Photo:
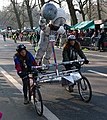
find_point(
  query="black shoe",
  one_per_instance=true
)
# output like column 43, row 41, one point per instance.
column 69, row 88
column 26, row 101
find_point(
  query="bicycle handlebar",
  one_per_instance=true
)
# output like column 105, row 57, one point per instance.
column 62, row 63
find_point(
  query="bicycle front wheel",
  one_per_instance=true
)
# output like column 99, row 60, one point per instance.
column 37, row 98
column 84, row 89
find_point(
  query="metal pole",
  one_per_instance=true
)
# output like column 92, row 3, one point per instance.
column 52, row 41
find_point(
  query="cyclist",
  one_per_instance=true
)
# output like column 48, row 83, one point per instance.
column 23, row 61
column 71, row 50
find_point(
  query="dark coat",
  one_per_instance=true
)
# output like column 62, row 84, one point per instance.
column 24, row 63
column 71, row 53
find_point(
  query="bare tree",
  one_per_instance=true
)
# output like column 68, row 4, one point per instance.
column 89, row 9
column 90, row 3
column 99, row 10
column 29, row 11
column 72, row 12
column 14, row 3
column 92, row 10
column 59, row 2
column 82, row 4
column 102, row 9
column 30, row 5
column 8, row 17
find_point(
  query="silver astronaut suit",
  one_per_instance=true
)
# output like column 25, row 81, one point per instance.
column 54, row 27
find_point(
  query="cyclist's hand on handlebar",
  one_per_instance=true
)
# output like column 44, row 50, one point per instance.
column 86, row 61
column 76, row 64
column 22, row 74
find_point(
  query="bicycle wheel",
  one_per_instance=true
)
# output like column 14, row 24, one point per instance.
column 37, row 98
column 84, row 89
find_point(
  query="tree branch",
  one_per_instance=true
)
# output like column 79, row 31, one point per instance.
column 78, row 10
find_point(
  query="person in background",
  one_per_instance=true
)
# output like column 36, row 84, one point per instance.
column 77, row 35
column 101, row 41
column 4, row 36
column 24, row 60
column 21, row 36
column 38, row 37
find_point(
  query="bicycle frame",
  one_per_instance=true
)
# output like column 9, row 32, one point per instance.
column 30, row 87
column 72, row 76
column 36, row 95
column 33, row 84
column 52, row 41
column 52, row 76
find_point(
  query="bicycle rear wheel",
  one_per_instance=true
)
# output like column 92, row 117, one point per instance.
column 37, row 98
column 84, row 89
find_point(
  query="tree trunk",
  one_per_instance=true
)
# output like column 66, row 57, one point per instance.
column 83, row 15
column 72, row 12
column 99, row 11
column 82, row 11
column 30, row 16
column 29, row 11
column 16, row 13
column 90, row 15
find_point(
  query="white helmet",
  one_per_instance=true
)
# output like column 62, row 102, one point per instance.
column 71, row 38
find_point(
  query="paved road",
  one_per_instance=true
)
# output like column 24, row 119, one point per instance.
column 59, row 104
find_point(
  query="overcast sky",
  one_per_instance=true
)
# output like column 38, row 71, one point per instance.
column 5, row 3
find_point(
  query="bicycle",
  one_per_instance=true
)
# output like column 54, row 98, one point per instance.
column 75, row 77
column 34, row 90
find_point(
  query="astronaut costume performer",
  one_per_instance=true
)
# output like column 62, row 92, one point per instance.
column 51, row 22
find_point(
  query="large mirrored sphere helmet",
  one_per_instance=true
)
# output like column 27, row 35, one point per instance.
column 60, row 19
column 49, row 11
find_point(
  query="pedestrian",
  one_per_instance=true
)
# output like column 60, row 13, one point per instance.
column 31, row 37
column 34, row 39
column 24, row 60
column 38, row 37
column 21, row 36
column 14, row 37
column 101, row 41
column 4, row 36
column 71, row 51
